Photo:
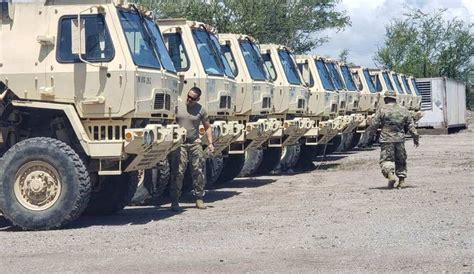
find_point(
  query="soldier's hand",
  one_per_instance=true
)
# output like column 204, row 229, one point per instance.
column 416, row 140
column 210, row 148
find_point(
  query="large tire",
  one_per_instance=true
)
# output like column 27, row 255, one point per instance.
column 152, row 184
column 289, row 157
column 334, row 144
column 232, row 167
column 346, row 141
column 112, row 194
column 214, row 168
column 253, row 159
column 271, row 159
column 355, row 140
column 307, row 156
column 44, row 184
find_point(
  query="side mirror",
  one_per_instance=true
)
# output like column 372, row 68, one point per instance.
column 78, row 37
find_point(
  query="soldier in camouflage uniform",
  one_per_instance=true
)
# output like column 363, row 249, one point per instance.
column 394, row 121
column 190, row 116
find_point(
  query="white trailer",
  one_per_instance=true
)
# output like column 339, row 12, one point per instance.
column 443, row 103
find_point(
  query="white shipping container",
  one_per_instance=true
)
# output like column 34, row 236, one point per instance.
column 443, row 103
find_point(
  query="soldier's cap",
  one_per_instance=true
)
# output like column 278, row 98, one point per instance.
column 390, row 94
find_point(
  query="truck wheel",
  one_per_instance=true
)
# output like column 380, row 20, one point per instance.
column 289, row 157
column 151, row 185
column 233, row 165
column 214, row 168
column 112, row 193
column 333, row 144
column 253, row 159
column 307, row 154
column 345, row 142
column 271, row 159
column 43, row 184
column 355, row 140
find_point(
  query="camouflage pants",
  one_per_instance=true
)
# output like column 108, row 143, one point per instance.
column 393, row 158
column 179, row 159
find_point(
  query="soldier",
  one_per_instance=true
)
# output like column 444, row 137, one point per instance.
column 394, row 121
column 190, row 116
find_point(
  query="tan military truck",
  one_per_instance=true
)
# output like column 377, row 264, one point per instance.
column 87, row 92
column 324, row 100
column 291, row 98
column 254, row 102
column 417, row 97
column 196, row 53
column 368, row 84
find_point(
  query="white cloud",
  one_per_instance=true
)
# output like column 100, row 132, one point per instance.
column 369, row 18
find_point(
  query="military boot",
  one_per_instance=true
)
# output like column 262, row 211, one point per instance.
column 175, row 205
column 391, row 180
column 200, row 204
column 401, row 183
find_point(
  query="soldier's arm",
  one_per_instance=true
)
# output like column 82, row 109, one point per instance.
column 207, row 127
column 376, row 121
column 410, row 125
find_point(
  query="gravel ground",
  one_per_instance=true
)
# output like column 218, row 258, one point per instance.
column 338, row 217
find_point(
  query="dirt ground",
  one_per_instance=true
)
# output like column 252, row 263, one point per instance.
column 338, row 217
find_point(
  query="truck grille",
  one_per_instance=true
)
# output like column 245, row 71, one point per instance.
column 162, row 101
column 225, row 102
column 267, row 102
column 301, row 103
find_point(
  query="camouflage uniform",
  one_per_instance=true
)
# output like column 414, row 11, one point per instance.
column 394, row 120
column 194, row 154
column 191, row 151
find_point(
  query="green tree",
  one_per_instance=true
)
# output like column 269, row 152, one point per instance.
column 428, row 45
column 294, row 23
column 343, row 57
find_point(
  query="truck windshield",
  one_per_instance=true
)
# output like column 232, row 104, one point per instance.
column 417, row 91
column 346, row 73
column 388, row 83
column 145, row 41
column 212, row 59
column 288, row 64
column 254, row 61
column 369, row 81
column 324, row 75
column 397, row 83
column 335, row 76
column 406, row 84
column 270, row 67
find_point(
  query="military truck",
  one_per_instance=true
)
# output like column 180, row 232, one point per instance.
column 417, row 97
column 196, row 53
column 291, row 98
column 254, row 102
column 87, row 94
column 368, row 84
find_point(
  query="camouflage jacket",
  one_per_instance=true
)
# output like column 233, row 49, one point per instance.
column 394, row 121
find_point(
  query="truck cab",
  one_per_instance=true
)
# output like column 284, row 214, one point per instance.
column 291, row 96
column 196, row 53
column 87, row 98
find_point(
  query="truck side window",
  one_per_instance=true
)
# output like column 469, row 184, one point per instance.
column 269, row 63
column 306, row 73
column 99, row 47
column 177, row 51
column 230, row 59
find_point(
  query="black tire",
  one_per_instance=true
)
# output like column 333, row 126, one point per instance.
column 152, row 185
column 112, row 194
column 214, row 168
column 333, row 144
column 271, row 159
column 307, row 156
column 355, row 140
column 253, row 159
column 232, row 167
column 289, row 157
column 52, row 157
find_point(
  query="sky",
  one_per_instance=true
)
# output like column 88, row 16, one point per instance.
column 369, row 18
